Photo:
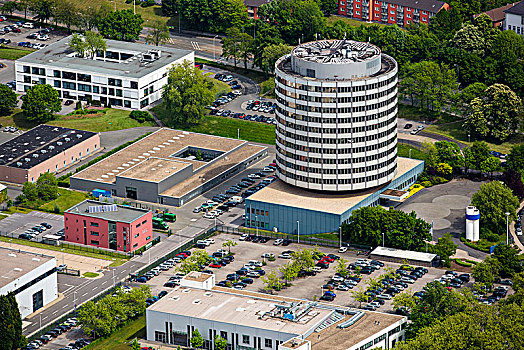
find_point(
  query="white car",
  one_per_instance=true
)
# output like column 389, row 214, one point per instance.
column 519, row 231
column 337, row 278
column 205, row 242
column 255, row 263
column 343, row 249
column 210, row 241
column 253, row 176
column 342, row 287
column 278, row 241
column 28, row 25
column 197, row 210
column 243, row 237
column 407, row 280
column 285, row 256
column 267, row 170
column 267, row 255
column 384, row 296
column 209, row 216
column 351, row 282
column 210, row 202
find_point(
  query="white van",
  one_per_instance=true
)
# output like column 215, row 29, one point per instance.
column 237, row 199
column 255, row 263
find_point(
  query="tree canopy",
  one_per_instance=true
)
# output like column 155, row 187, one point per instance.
column 121, row 25
column 11, row 337
column 186, row 94
column 40, row 102
column 8, row 99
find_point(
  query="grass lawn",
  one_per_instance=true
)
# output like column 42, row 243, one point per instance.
column 148, row 13
column 17, row 118
column 113, row 119
column 227, row 127
column 12, row 53
column 455, row 131
column 2, row 216
column 403, row 151
column 352, row 22
column 117, row 261
column 90, row 274
column 65, row 200
column 120, row 339
column 21, row 210
column 221, row 87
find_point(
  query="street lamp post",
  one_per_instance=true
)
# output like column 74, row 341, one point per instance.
column 114, row 284
column 507, row 228
column 410, row 153
column 469, row 138
column 214, row 55
column 74, row 296
column 256, row 223
column 340, row 237
column 238, row 134
column 298, row 231
column 383, row 239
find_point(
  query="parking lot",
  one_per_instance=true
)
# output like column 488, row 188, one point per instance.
column 306, row 287
column 18, row 223
column 16, row 37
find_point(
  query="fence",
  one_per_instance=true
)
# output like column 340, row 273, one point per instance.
column 69, row 245
column 71, row 272
column 188, row 244
column 311, row 240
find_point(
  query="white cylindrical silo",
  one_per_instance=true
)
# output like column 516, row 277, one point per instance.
column 472, row 223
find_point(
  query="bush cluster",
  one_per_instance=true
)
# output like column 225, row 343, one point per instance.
column 141, row 116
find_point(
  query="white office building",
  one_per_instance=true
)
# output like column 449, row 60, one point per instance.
column 129, row 75
column 515, row 18
column 254, row 321
column 336, row 116
column 31, row 277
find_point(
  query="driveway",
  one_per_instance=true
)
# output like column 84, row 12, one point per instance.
column 444, row 206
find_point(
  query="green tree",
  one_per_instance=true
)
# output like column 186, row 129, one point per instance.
column 404, row 300
column 43, row 9
column 135, row 345
column 271, row 281
column 266, row 35
column 40, row 102
column 29, row 193
column 462, row 99
column 24, row 5
column 78, row 44
column 445, row 24
column 480, row 153
column 490, row 165
column 158, row 33
column 193, row 262
column 220, row 343
column 513, row 180
column 121, row 25
column 445, row 248
column 328, row 7
column 8, row 100
column 508, row 256
column 271, row 54
column 94, row 43
column 359, row 295
column 444, row 169
column 515, row 158
column 303, row 258
column 47, row 186
column 229, row 243
column 237, row 45
column 341, row 267
column 9, row 7
column 65, row 12
column 497, row 115
column 196, row 340
column 11, row 337
column 493, row 200
column 186, row 94
column 289, row 271
column 486, row 271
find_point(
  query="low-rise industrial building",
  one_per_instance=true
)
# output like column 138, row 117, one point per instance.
column 249, row 320
column 31, row 277
column 293, row 210
column 44, row 148
column 169, row 166
column 405, row 256
column 116, row 227
column 129, row 75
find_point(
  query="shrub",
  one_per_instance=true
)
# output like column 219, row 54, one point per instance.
column 63, row 183
column 141, row 116
column 426, row 183
column 492, row 237
column 462, row 263
column 96, row 103
column 78, row 105
column 437, row 180
column 271, row 258
column 56, row 209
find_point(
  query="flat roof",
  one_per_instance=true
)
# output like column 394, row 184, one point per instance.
column 134, row 65
column 164, row 143
column 155, row 169
column 40, row 144
column 282, row 193
column 372, row 323
column 403, row 254
column 122, row 214
column 16, row 264
column 197, row 276
column 233, row 308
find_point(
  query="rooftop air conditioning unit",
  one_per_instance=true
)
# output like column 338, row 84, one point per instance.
column 43, row 151
column 51, row 147
column 35, row 155
column 59, row 143
column 79, row 136
column 67, row 139
column 27, row 159
column 19, row 163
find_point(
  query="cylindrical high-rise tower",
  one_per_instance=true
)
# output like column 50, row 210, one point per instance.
column 336, row 116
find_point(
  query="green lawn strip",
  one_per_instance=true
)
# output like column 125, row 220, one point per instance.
column 150, row 14
column 403, row 151
column 120, row 339
column 90, row 274
column 221, row 87
column 65, row 200
column 254, row 75
column 113, row 119
column 7, row 53
column 2, row 216
column 117, row 261
column 456, row 132
column 226, row 127
column 17, row 118
column 20, row 210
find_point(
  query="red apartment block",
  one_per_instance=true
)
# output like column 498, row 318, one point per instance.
column 400, row 12
column 114, row 227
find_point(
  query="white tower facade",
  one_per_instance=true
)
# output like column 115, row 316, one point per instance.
column 336, row 116
column 472, row 224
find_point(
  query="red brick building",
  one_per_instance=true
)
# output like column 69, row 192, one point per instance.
column 253, row 5
column 400, row 12
column 114, row 227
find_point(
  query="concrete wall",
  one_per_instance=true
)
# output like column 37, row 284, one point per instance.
column 25, row 298
column 159, row 321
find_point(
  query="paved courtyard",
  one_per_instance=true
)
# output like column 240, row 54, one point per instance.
column 445, row 206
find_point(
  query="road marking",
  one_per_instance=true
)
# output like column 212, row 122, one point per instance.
column 63, row 307
column 195, row 45
column 84, row 294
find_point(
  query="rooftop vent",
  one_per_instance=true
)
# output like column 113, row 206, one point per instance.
column 43, row 151
column 18, row 269
column 79, row 136
column 35, row 155
column 67, row 139
column 59, row 143
column 18, row 163
column 51, row 147
column 35, row 259
column 27, row 159
column 196, row 301
column 12, row 255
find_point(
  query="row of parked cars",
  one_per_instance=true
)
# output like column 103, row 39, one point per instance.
column 261, row 106
column 35, row 231
column 10, row 129
column 518, row 222
column 55, row 332
column 30, row 45
column 165, row 266
column 244, row 276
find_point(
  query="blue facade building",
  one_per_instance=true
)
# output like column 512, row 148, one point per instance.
column 290, row 209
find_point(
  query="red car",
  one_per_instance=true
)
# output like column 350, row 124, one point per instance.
column 215, row 265
column 327, row 259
